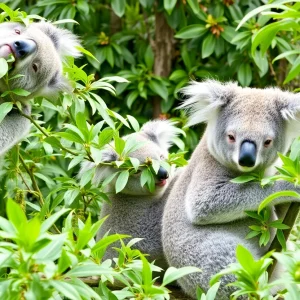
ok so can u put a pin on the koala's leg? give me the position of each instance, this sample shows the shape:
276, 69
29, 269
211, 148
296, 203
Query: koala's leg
211, 255
13, 128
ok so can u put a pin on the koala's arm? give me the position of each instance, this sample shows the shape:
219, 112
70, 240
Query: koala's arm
13, 128
225, 201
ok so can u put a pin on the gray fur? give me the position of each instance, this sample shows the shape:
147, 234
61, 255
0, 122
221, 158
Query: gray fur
204, 217
135, 211
42, 70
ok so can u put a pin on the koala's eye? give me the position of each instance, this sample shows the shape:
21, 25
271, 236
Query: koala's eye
162, 157
267, 142
35, 67
231, 138
17, 31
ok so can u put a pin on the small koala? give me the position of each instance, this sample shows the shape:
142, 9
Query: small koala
204, 218
135, 210
38, 50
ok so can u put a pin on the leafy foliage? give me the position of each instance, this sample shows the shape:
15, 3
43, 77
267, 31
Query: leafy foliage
44, 254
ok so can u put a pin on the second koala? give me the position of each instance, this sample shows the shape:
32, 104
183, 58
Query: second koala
135, 210
204, 218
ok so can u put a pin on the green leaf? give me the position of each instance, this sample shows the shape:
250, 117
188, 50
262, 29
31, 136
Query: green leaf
295, 70
87, 270
208, 46
71, 136
191, 31
261, 9
178, 75
108, 240
243, 179
134, 123
5, 108
276, 195
66, 289
265, 35
122, 181
105, 136
52, 219
135, 163
252, 234
281, 239
20, 92
149, 57
173, 274
15, 214
131, 98
118, 7
3, 67
245, 74
158, 88
169, 5
64, 262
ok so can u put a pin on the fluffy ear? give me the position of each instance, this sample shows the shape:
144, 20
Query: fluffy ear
161, 132
290, 107
102, 171
204, 98
64, 40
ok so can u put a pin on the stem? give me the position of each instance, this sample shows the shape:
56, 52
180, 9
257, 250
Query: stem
44, 132
289, 219
23, 179
34, 184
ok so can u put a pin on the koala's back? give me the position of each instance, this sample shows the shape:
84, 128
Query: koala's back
139, 217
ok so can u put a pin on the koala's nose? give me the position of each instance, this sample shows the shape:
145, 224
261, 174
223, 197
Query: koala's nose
23, 48
162, 174
247, 156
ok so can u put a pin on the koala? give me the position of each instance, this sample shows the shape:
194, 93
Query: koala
204, 218
39, 51
135, 210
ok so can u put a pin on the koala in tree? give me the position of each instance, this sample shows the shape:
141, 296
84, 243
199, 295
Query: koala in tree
135, 210
204, 217
38, 51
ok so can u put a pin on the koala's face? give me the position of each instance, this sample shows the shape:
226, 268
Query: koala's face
154, 139
246, 127
148, 150
249, 131
38, 52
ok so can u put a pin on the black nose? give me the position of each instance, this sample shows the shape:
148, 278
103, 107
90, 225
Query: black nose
23, 48
247, 156
162, 174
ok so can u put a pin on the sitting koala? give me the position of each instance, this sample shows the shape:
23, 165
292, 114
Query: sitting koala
204, 217
38, 51
135, 210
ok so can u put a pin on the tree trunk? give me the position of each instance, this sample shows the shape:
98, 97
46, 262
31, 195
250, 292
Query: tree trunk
163, 48
115, 23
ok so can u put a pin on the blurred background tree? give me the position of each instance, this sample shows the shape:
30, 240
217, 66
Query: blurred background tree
159, 45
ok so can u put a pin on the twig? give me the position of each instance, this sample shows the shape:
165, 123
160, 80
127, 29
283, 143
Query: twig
289, 219
34, 184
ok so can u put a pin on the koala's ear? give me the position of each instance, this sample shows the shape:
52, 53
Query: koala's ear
64, 40
204, 98
161, 132
290, 107
102, 171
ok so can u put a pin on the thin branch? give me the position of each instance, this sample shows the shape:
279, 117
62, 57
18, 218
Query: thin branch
34, 183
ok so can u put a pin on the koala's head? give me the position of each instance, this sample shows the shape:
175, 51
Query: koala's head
39, 50
246, 127
155, 138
